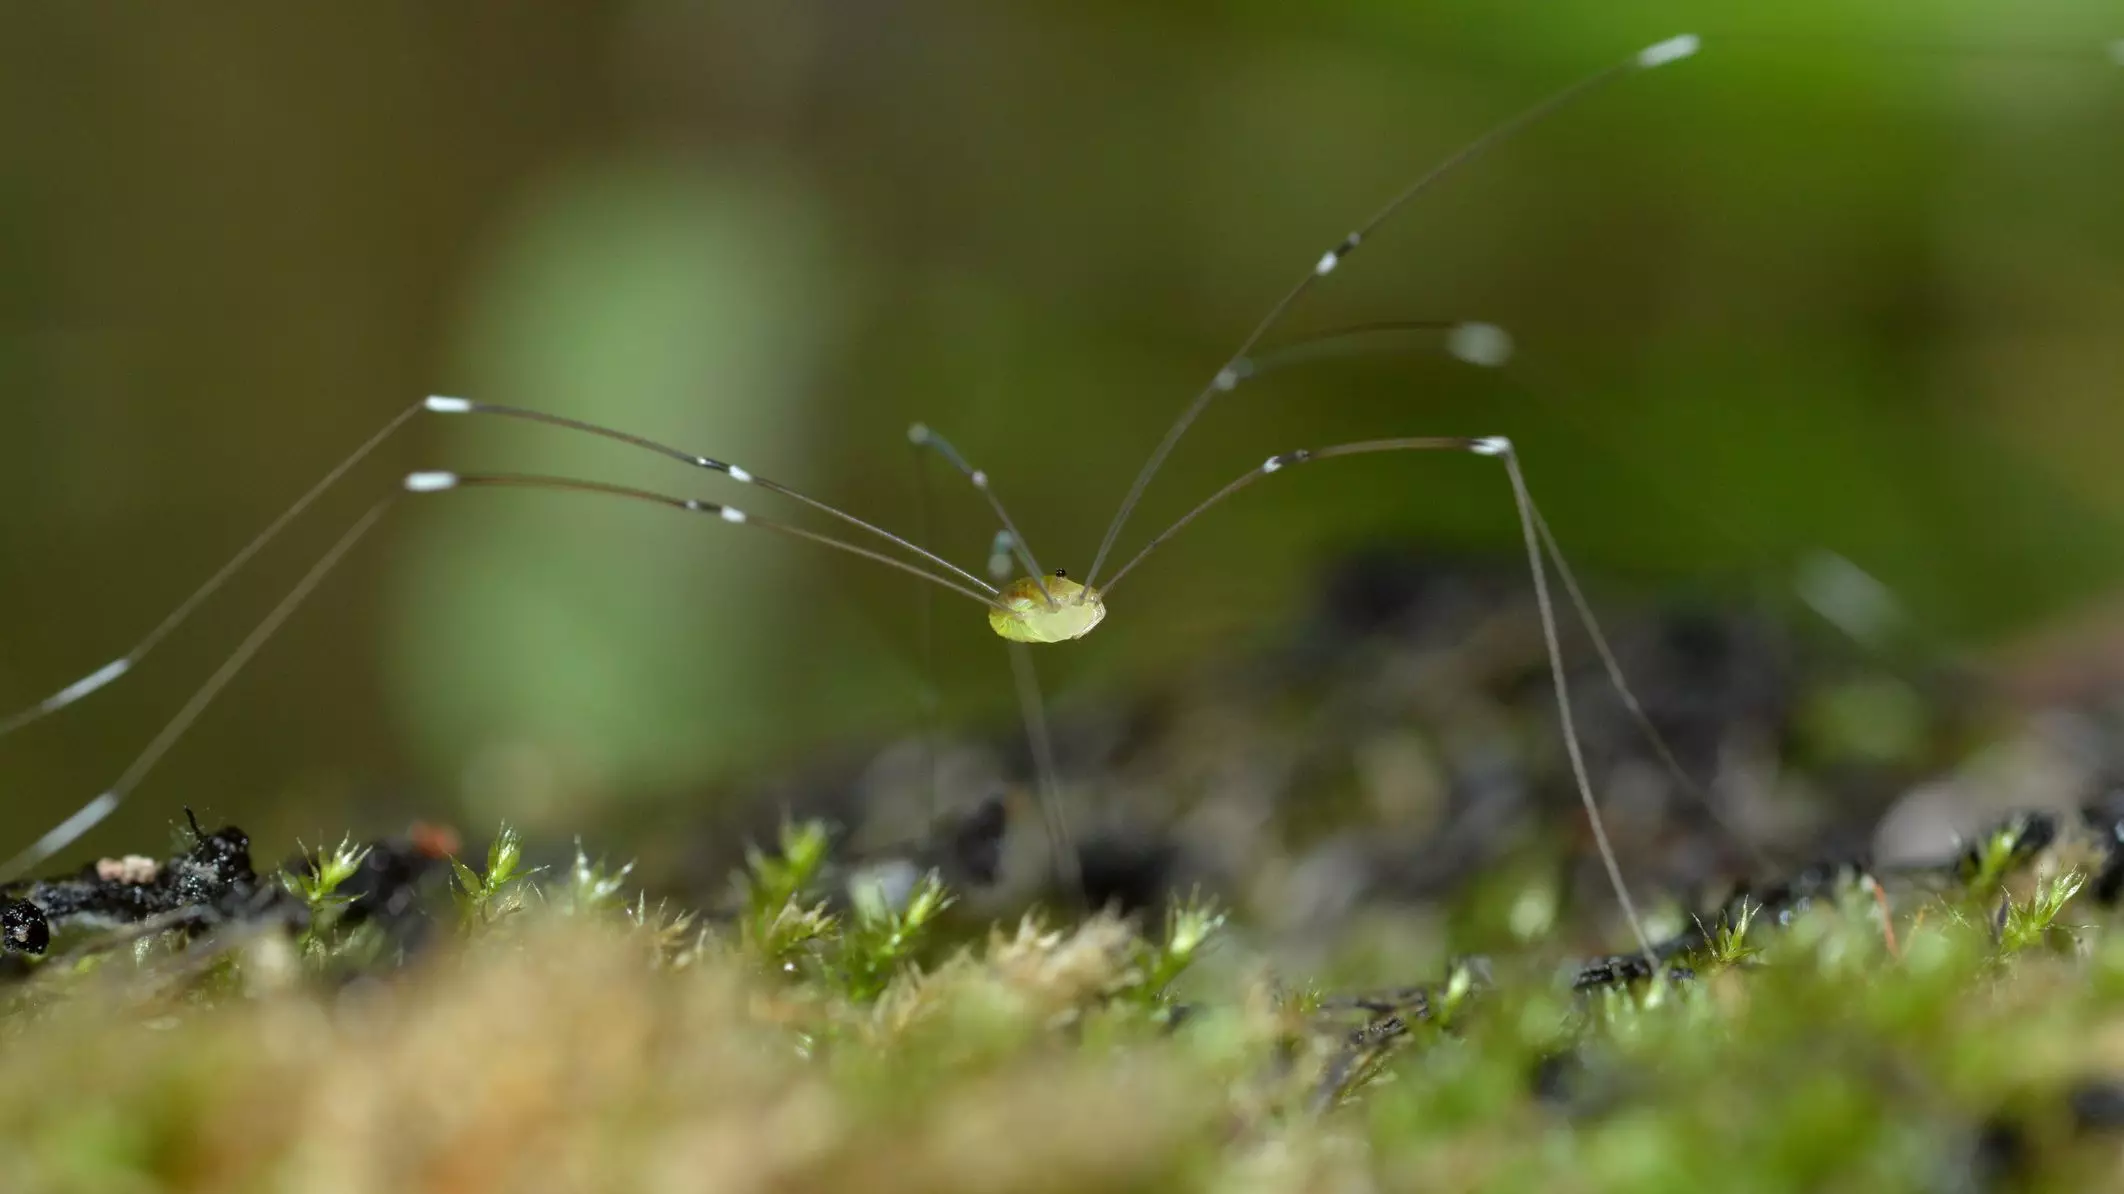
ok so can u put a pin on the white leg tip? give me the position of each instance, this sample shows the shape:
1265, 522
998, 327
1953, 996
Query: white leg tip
1495, 445
87, 684
1482, 344
733, 514
83, 820
918, 433
430, 482
1674, 49
448, 406
1848, 597
1327, 263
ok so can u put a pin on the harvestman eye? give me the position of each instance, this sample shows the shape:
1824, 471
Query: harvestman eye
1040, 606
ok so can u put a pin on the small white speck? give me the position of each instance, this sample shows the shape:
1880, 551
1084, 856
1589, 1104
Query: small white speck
979, 479
1227, 379
1482, 344
1328, 261
733, 514
1848, 596
885, 886
87, 684
1495, 445
448, 406
1272, 464
1674, 49
430, 482
694, 505
918, 433
738, 474
704, 462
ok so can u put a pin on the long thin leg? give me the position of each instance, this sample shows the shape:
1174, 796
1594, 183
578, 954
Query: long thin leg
1491, 347
119, 667
922, 437
1472, 342
1501, 448
1476, 343
1062, 853
1068, 869
1488, 346
736, 473
1671, 50
88, 815
106, 802
1690, 786
927, 636
440, 482
127, 662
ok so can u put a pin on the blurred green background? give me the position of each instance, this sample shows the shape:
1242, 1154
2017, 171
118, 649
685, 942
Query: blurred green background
1850, 280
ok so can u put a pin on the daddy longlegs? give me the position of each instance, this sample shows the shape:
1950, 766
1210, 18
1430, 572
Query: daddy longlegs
1039, 607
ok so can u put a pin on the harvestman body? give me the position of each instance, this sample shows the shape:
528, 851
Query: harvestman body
1039, 608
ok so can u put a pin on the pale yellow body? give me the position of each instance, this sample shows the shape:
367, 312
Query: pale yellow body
1026, 616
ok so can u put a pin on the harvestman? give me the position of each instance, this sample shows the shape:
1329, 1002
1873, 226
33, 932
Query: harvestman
1039, 608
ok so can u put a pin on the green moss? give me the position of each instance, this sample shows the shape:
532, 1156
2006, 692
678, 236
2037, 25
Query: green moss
570, 1034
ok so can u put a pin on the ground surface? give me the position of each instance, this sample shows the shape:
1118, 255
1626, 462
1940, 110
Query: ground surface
1360, 946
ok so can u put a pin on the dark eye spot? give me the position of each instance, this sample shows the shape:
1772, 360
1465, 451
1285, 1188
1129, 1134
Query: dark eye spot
1061, 575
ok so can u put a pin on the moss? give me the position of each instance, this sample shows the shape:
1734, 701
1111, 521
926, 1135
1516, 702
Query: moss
558, 1033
